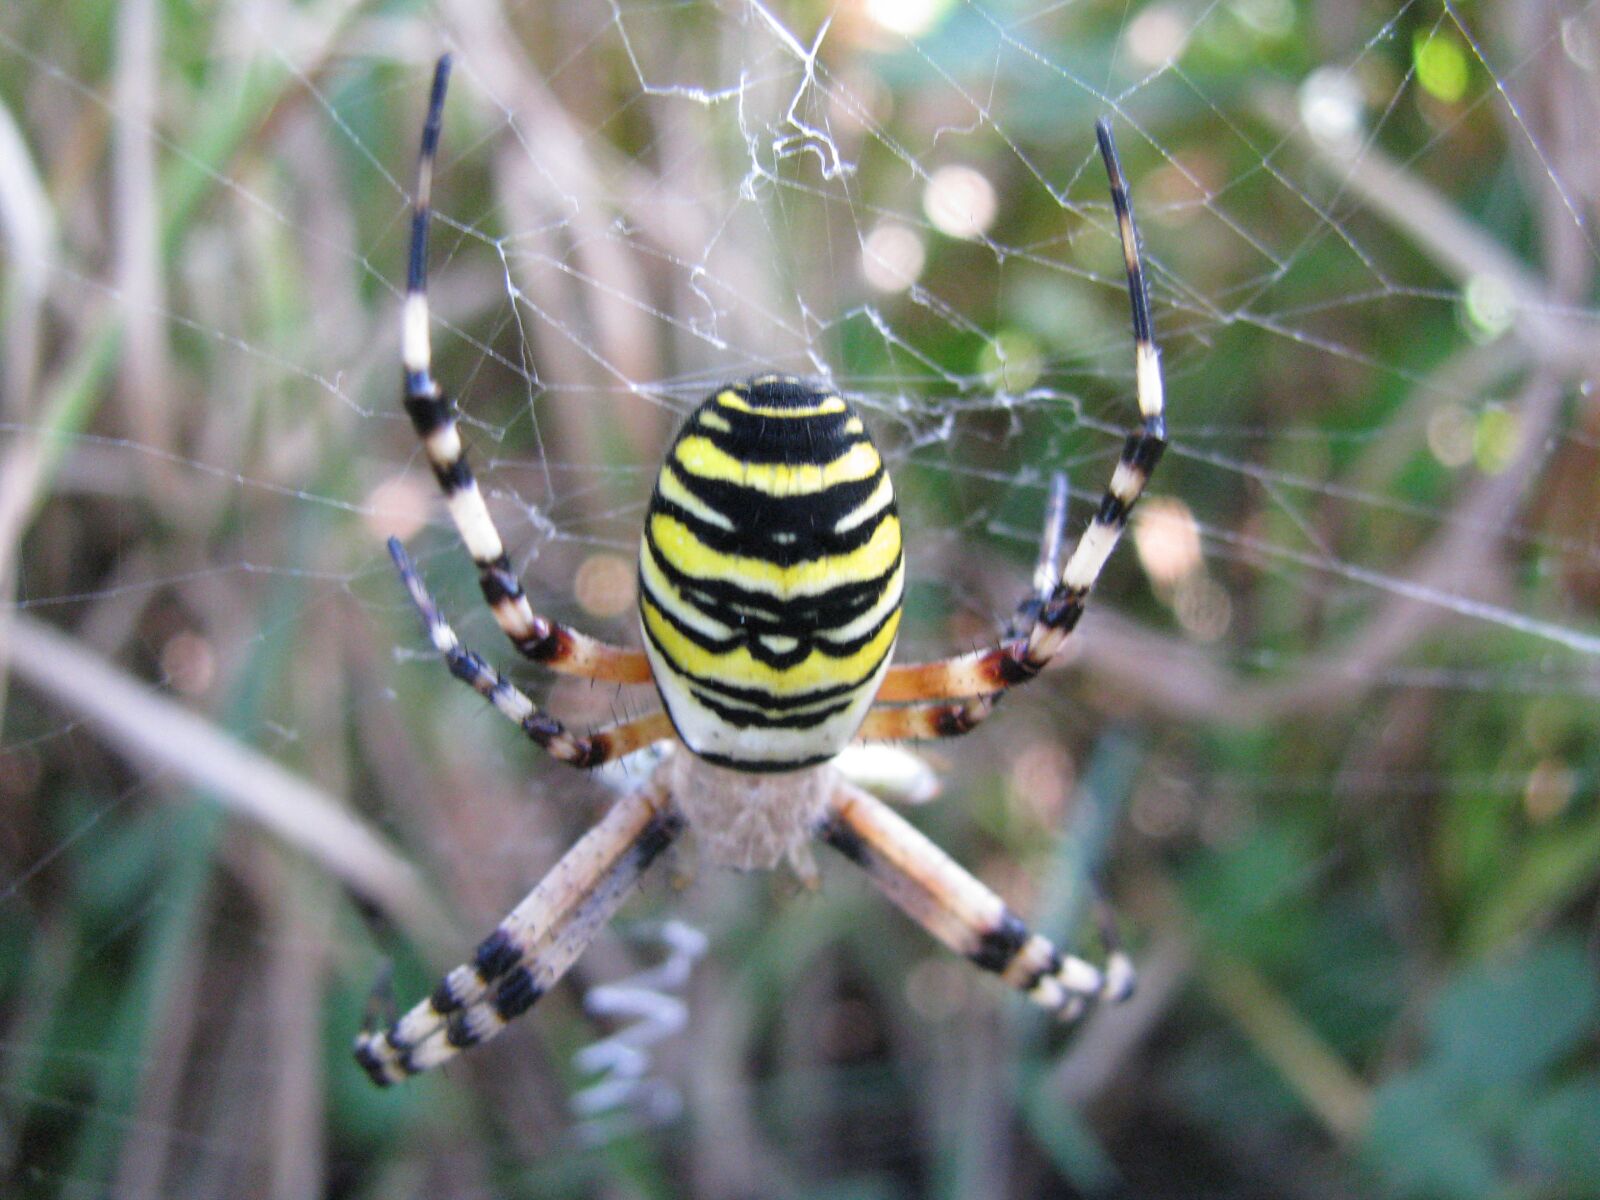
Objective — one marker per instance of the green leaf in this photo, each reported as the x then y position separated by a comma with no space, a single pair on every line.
1419,1145
1504,1022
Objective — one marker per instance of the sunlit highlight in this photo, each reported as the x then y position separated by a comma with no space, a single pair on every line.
1488,308
892,257
1167,538
1331,106
909,18
1496,439
1451,433
604,584
1013,360
189,663
397,507
1157,36
1441,66
960,201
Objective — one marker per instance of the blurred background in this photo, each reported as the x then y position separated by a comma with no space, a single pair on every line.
1327,734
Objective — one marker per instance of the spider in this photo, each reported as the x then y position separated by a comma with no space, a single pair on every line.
770,581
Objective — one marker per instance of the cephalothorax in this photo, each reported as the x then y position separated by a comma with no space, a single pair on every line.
770,581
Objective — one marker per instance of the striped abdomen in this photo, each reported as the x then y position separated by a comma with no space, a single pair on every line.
770,575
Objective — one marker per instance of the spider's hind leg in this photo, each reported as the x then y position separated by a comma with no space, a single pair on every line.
947,901
533,947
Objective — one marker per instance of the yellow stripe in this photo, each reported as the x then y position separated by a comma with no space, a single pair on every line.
812,577
672,602
738,669
711,421
829,404
702,457
669,487
881,496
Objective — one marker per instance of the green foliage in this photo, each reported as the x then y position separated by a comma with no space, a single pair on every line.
1495,1101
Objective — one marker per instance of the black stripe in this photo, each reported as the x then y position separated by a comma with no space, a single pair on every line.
782,532
1138,295
750,611
748,507
444,999
1113,511
1015,666
999,947
1063,609
374,1066
777,441
454,476
847,842
1052,966
1143,450
516,994
660,833
762,766
745,718
466,666
458,1033
749,636
417,269
780,391
497,581
429,411
761,696
496,955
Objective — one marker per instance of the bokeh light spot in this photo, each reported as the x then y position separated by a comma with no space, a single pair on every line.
1167,538
1157,36
398,507
1331,107
1487,307
1441,66
1496,439
960,201
189,663
604,585
1451,433
892,257
1012,359
910,18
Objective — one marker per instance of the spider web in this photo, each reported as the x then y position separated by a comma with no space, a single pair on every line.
1347,651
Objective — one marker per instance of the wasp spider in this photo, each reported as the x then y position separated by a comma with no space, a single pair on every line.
770,581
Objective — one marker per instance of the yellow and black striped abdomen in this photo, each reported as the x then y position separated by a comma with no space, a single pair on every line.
770,575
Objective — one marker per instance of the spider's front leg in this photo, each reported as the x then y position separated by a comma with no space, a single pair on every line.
578,750
1016,660
433,416
533,947
952,905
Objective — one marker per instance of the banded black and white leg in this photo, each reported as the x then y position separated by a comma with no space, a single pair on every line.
1018,659
578,750
533,947
946,900
927,720
433,416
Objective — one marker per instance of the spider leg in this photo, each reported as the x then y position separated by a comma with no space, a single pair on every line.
601,746
924,722
532,947
941,896
1018,659
433,416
